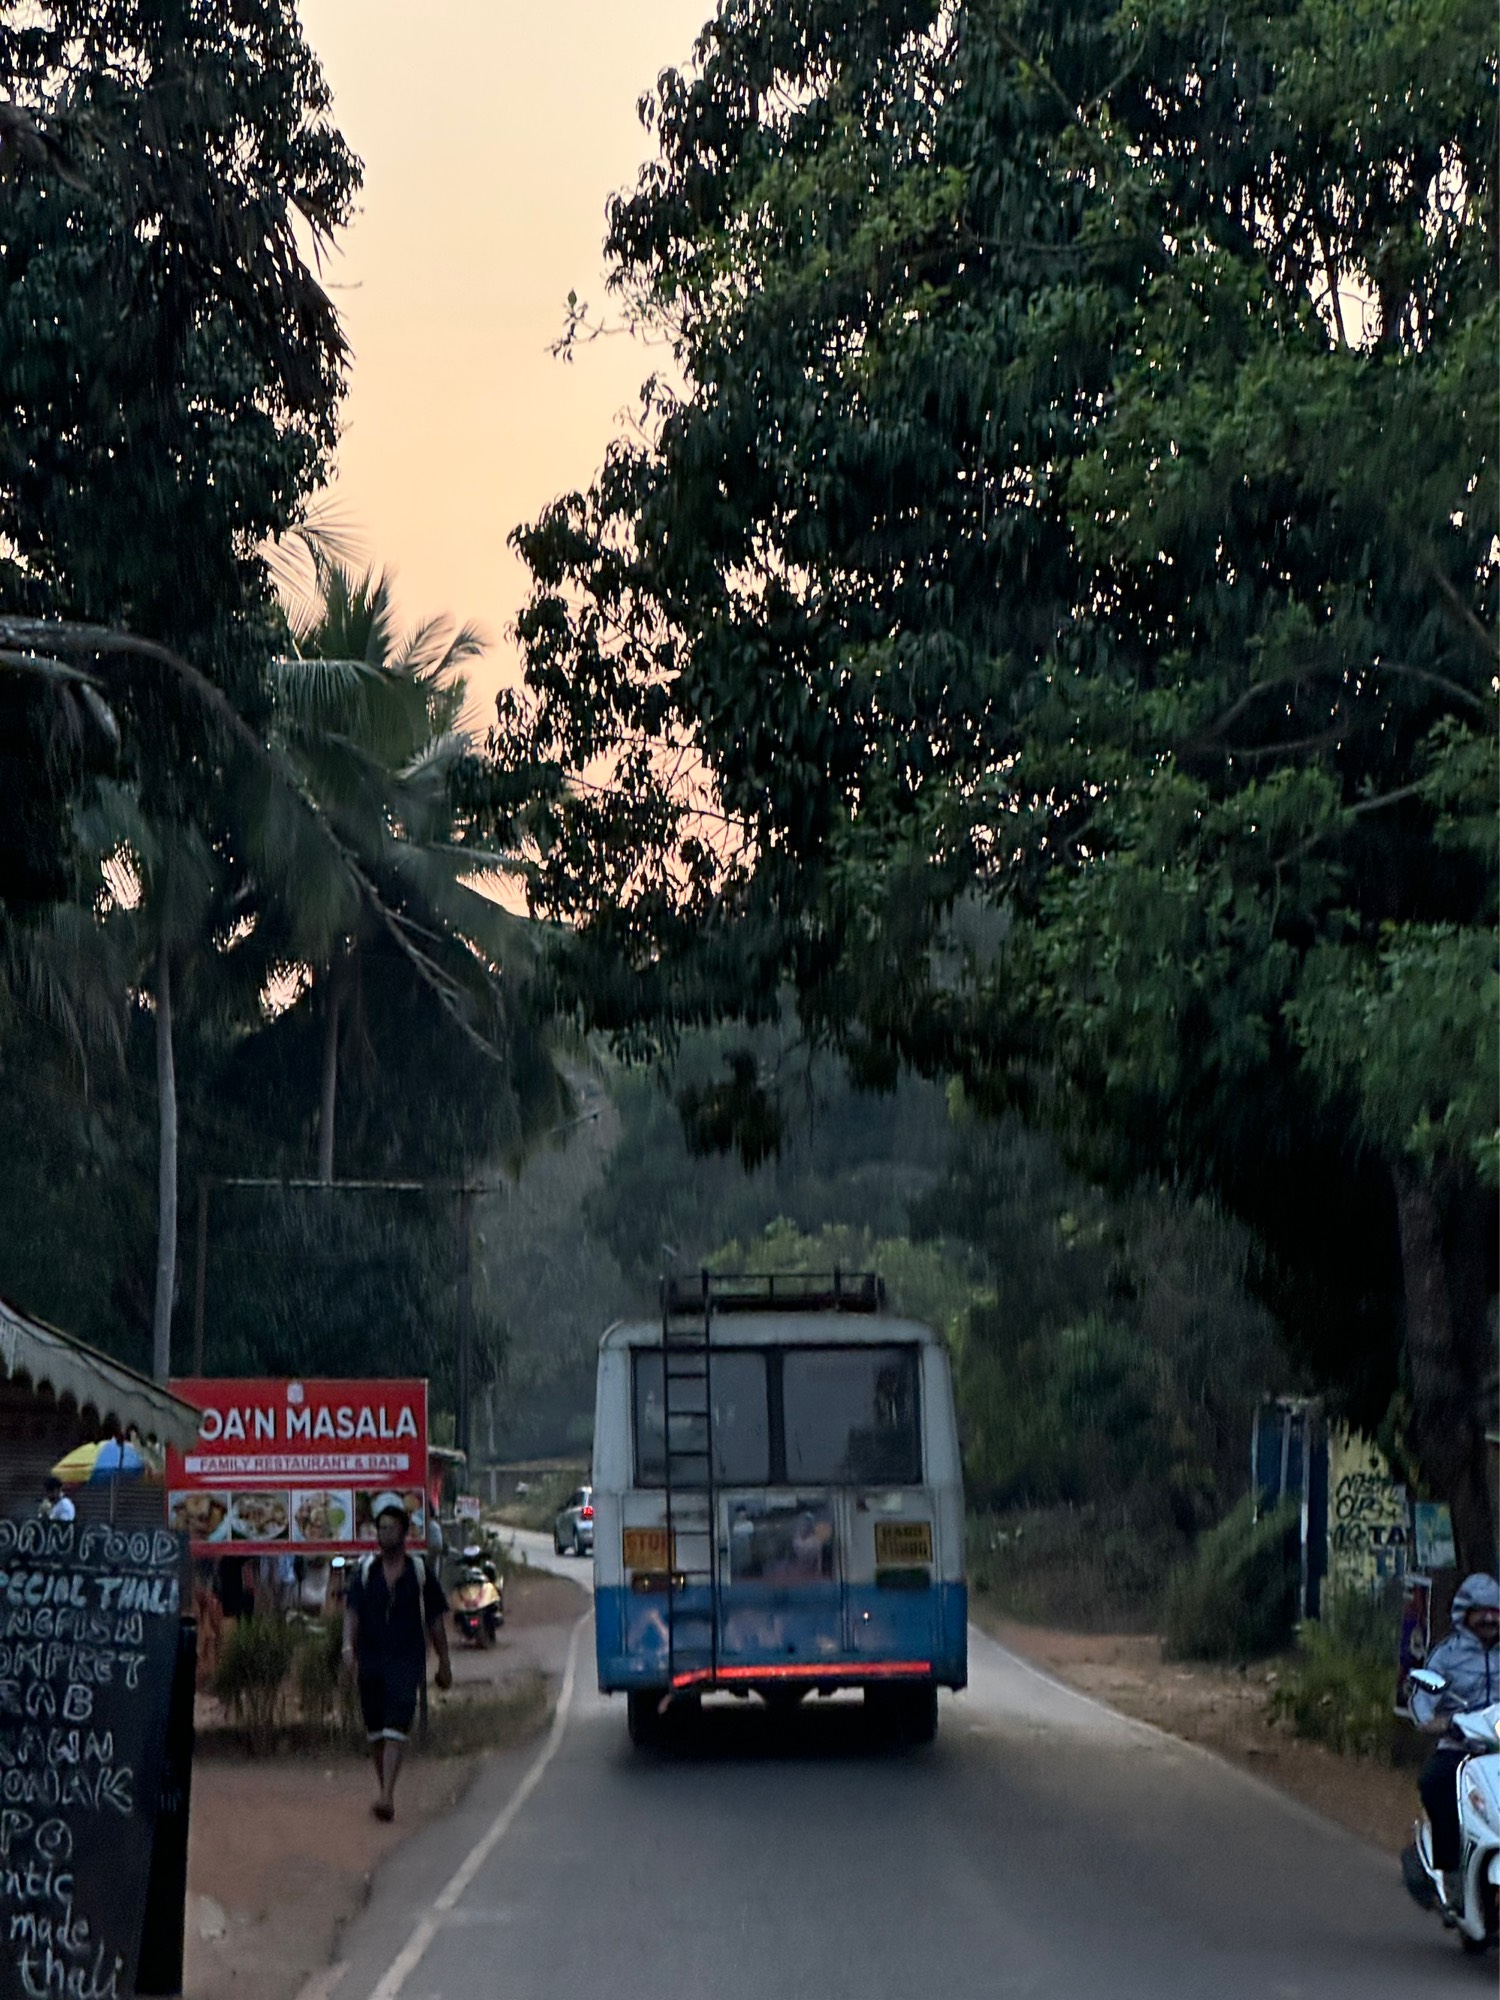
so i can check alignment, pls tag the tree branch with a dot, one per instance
(62, 636)
(1314, 671)
(1465, 613)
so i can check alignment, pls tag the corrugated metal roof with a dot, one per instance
(52, 1359)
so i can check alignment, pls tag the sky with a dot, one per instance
(492, 134)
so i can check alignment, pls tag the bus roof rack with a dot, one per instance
(773, 1291)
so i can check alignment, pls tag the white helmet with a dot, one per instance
(389, 1503)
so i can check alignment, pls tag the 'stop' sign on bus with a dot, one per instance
(288, 1467)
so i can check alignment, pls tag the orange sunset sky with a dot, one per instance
(492, 133)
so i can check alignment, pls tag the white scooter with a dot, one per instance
(1478, 1829)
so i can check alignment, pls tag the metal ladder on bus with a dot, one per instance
(687, 1401)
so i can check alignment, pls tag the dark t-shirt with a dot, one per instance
(392, 1625)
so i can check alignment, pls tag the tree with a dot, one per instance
(1053, 626)
(372, 726)
(171, 365)
(170, 371)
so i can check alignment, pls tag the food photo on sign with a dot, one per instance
(202, 1517)
(260, 1517)
(321, 1515)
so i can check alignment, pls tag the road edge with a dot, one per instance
(1267, 1787)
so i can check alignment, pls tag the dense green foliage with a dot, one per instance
(1105, 1355)
(1084, 1569)
(670, 1195)
(1052, 627)
(1118, 1359)
(169, 369)
(1107, 1360)
(231, 874)
(1340, 1689)
(341, 1281)
(1235, 1597)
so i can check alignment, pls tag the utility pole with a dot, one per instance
(463, 1391)
(200, 1275)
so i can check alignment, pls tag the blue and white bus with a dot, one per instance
(778, 1506)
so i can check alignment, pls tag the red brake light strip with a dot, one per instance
(804, 1670)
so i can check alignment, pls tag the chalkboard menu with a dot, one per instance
(88, 1636)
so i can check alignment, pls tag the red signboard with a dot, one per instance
(289, 1468)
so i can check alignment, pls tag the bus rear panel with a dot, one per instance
(816, 1534)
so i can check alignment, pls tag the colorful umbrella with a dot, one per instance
(95, 1464)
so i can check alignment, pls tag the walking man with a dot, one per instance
(394, 1606)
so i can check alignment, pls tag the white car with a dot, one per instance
(573, 1530)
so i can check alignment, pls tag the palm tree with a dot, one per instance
(141, 908)
(56, 734)
(338, 830)
(371, 724)
(130, 907)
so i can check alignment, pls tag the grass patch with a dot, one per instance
(1070, 1567)
(460, 1724)
(1340, 1686)
(465, 1725)
(1235, 1598)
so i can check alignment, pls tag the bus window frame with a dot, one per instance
(773, 1355)
(658, 1484)
(912, 1352)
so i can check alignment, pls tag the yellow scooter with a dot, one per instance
(478, 1599)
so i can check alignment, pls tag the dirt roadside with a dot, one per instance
(1224, 1709)
(282, 1850)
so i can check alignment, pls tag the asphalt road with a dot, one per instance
(540, 1554)
(1043, 1847)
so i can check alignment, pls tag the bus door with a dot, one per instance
(781, 1599)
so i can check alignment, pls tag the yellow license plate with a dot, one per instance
(645, 1548)
(903, 1541)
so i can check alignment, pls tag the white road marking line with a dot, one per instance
(410, 1956)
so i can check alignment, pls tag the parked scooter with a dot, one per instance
(478, 1598)
(1475, 1918)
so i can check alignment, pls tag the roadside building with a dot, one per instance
(57, 1394)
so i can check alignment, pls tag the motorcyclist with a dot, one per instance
(1469, 1661)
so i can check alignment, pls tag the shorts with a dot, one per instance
(388, 1702)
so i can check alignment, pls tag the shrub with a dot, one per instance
(1342, 1688)
(319, 1660)
(1235, 1598)
(251, 1677)
(1077, 1567)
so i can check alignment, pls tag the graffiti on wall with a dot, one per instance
(1369, 1525)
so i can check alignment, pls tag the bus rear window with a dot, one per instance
(742, 1429)
(851, 1416)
